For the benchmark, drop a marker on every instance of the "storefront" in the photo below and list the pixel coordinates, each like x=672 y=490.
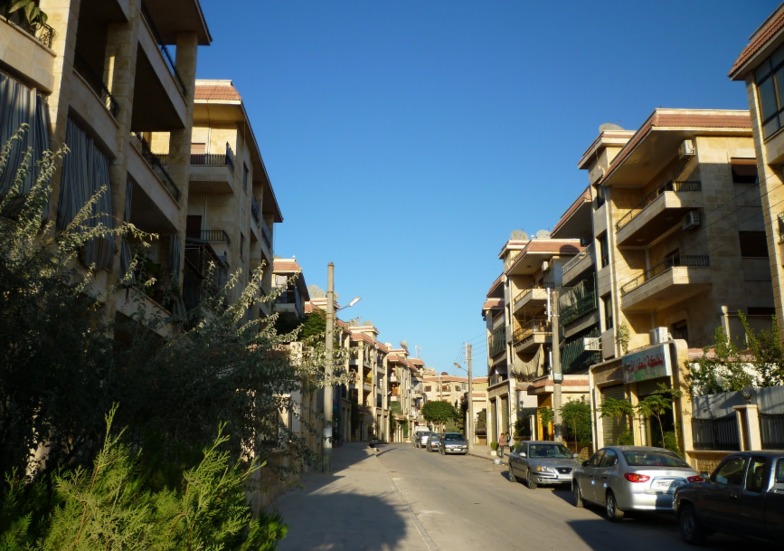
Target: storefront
x=634 y=377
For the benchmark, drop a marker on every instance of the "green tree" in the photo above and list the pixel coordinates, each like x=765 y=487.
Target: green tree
x=577 y=418
x=621 y=411
x=439 y=412
x=656 y=405
x=726 y=367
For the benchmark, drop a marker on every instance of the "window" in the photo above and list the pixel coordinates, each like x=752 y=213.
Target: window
x=242 y=245
x=744 y=171
x=608 y=311
x=198 y=148
x=603 y=252
x=756 y=477
x=730 y=472
x=753 y=244
x=680 y=330
x=769 y=77
x=428 y=388
x=245 y=178
x=610 y=459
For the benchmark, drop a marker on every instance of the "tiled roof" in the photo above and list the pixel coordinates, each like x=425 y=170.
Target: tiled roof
x=289 y=265
x=216 y=90
x=688 y=119
x=759 y=39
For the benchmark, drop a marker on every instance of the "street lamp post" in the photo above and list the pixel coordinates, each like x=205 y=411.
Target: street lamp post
x=329 y=387
x=470 y=423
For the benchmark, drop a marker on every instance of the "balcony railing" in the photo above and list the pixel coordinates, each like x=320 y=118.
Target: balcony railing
x=42 y=32
x=529 y=327
x=155 y=164
x=96 y=83
x=580 y=306
x=215 y=236
x=164 y=51
x=686 y=186
x=497 y=341
x=266 y=234
x=255 y=209
x=575 y=260
x=525 y=292
x=688 y=261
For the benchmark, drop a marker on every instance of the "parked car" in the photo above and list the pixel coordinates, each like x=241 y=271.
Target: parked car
x=422 y=438
x=631 y=478
x=453 y=442
x=434 y=442
x=541 y=462
x=744 y=496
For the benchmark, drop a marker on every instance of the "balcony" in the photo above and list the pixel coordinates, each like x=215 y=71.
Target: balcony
x=496 y=344
x=154 y=162
x=212 y=172
x=578 y=264
x=530 y=299
x=531 y=332
x=667 y=283
x=578 y=306
x=658 y=212
x=266 y=235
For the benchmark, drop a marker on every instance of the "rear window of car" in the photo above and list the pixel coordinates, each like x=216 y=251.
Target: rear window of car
x=653 y=459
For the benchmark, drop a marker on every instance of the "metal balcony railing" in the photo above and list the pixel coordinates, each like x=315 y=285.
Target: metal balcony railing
x=529 y=327
x=686 y=186
x=154 y=162
x=95 y=82
x=255 y=209
x=575 y=260
x=497 y=341
x=215 y=236
x=579 y=306
x=266 y=233
x=164 y=51
x=689 y=261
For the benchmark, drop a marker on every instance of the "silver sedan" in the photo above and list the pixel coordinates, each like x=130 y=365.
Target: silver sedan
x=541 y=462
x=631 y=478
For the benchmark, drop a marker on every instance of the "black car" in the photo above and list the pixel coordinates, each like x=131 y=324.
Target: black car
x=743 y=496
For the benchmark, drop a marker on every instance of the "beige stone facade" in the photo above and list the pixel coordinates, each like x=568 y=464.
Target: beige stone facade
x=677 y=225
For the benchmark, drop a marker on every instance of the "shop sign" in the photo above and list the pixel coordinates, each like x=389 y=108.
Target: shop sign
x=651 y=363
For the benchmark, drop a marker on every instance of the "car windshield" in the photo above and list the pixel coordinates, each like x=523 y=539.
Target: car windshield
x=453 y=437
x=549 y=450
x=653 y=458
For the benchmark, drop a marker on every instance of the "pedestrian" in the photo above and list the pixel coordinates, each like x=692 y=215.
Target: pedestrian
x=501 y=444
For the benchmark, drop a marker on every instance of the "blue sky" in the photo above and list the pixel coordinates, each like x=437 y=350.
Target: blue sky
x=406 y=140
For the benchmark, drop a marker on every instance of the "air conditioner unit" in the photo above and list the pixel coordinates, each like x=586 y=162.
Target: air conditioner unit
x=691 y=220
x=686 y=149
x=592 y=344
x=659 y=335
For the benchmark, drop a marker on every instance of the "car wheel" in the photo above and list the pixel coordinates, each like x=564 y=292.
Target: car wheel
x=529 y=481
x=692 y=531
x=577 y=493
x=611 y=507
x=510 y=475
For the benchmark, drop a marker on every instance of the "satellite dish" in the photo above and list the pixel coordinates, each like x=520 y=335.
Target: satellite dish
x=519 y=235
x=543 y=234
x=609 y=126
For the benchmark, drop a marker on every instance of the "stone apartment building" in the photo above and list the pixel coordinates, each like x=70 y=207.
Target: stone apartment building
x=99 y=78
x=677 y=227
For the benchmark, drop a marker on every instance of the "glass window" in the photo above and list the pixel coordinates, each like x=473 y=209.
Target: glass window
x=596 y=459
x=610 y=458
x=753 y=244
x=730 y=472
x=769 y=77
x=756 y=477
x=653 y=459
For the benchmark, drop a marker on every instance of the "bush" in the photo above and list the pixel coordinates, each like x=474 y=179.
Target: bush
x=494 y=445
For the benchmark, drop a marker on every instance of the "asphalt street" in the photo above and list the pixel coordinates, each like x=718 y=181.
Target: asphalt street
x=402 y=497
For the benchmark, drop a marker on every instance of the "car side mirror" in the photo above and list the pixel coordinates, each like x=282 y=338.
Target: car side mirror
x=705 y=476
x=575 y=456
x=521 y=454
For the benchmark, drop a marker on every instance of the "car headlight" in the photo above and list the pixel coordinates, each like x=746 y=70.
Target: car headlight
x=543 y=469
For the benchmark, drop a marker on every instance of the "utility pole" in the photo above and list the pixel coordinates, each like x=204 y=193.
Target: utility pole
x=556 y=367
x=470 y=427
x=328 y=387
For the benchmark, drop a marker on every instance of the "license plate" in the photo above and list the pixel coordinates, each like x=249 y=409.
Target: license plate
x=663 y=485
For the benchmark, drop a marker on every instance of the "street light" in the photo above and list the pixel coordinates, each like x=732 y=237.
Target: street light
x=470 y=424
x=329 y=388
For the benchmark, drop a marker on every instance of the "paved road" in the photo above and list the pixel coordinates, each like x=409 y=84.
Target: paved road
x=408 y=498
